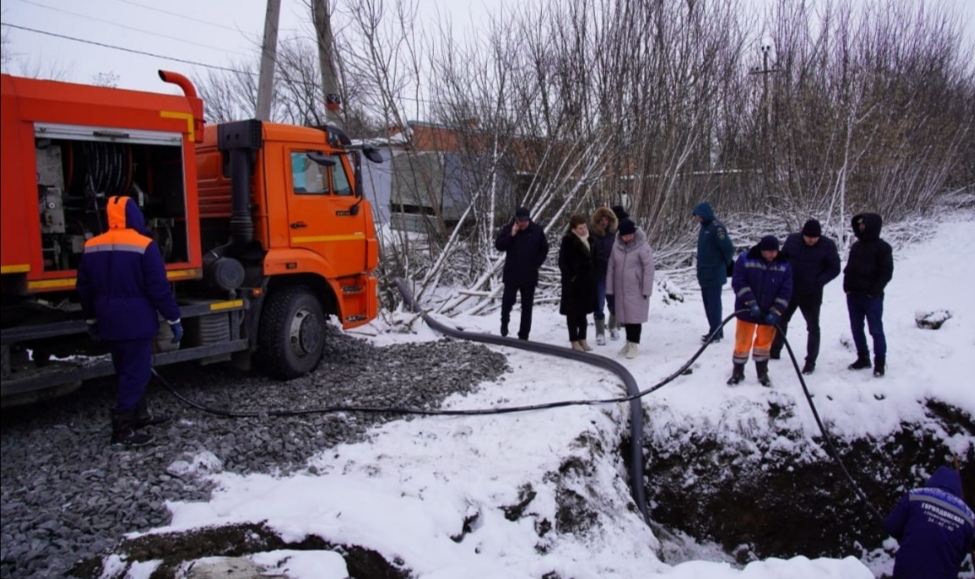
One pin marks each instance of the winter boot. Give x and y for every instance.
(614, 328)
(600, 332)
(633, 350)
(809, 368)
(577, 346)
(144, 417)
(585, 346)
(762, 369)
(123, 430)
(863, 361)
(737, 375)
(504, 329)
(879, 366)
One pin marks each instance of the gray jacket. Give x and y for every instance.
(629, 277)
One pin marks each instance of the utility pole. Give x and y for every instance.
(330, 82)
(269, 54)
(765, 71)
(769, 160)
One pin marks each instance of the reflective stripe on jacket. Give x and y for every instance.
(122, 280)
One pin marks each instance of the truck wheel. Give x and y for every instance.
(291, 338)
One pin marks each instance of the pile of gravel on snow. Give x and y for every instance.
(66, 494)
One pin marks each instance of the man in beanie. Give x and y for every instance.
(762, 283)
(815, 262)
(525, 247)
(715, 253)
(868, 271)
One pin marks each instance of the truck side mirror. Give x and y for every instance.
(320, 159)
(372, 154)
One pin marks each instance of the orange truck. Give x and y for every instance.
(263, 227)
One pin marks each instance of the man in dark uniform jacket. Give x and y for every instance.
(715, 252)
(123, 290)
(815, 262)
(934, 528)
(868, 271)
(523, 241)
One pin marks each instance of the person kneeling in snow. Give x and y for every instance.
(762, 283)
(934, 527)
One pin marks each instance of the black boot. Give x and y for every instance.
(762, 369)
(143, 417)
(863, 361)
(879, 366)
(123, 430)
(809, 368)
(504, 329)
(737, 375)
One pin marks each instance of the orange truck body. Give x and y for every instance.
(263, 228)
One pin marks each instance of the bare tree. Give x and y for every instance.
(567, 105)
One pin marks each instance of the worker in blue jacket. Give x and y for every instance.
(762, 283)
(934, 528)
(123, 289)
(715, 253)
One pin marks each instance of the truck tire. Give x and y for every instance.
(291, 338)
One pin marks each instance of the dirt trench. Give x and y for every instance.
(763, 501)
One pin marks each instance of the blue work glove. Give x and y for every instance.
(771, 318)
(755, 311)
(177, 328)
(93, 332)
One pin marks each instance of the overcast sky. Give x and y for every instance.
(207, 32)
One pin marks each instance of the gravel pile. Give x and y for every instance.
(66, 495)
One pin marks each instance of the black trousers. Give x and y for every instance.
(577, 326)
(809, 305)
(527, 292)
(633, 332)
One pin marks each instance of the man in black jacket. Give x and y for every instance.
(868, 271)
(523, 241)
(815, 262)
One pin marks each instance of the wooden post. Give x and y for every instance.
(269, 53)
(330, 83)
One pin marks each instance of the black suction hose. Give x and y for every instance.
(636, 407)
(830, 448)
(634, 395)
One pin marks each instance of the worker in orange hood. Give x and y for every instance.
(122, 285)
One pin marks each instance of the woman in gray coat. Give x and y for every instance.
(629, 277)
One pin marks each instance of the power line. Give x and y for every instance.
(124, 49)
(185, 17)
(178, 15)
(140, 30)
(181, 60)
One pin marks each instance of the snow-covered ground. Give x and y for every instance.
(408, 491)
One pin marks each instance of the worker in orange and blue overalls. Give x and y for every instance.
(122, 285)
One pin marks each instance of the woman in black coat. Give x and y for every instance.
(577, 264)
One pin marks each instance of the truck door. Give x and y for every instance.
(320, 210)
